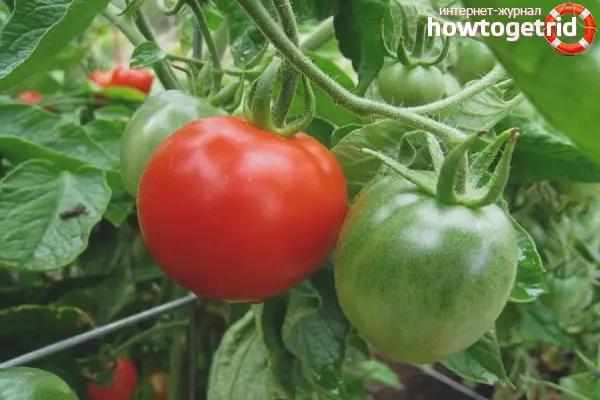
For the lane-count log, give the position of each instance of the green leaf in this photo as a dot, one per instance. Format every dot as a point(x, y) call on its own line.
point(481, 362)
point(480, 112)
point(146, 54)
point(122, 93)
point(318, 9)
point(539, 323)
point(542, 154)
point(246, 41)
point(315, 331)
point(384, 136)
point(565, 89)
point(321, 129)
point(530, 282)
point(20, 326)
point(341, 132)
point(357, 28)
point(37, 31)
point(24, 383)
point(39, 226)
point(28, 132)
point(116, 113)
point(240, 367)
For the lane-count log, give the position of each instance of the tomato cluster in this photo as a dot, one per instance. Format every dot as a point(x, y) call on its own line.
point(122, 76)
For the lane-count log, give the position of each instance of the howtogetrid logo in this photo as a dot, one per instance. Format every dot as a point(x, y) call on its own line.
point(553, 28)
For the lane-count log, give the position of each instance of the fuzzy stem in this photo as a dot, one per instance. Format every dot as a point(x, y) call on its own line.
point(289, 75)
point(322, 34)
point(343, 97)
point(210, 44)
point(167, 79)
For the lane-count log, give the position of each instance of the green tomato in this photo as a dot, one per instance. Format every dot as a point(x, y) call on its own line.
point(475, 59)
point(155, 120)
point(26, 383)
point(568, 295)
point(411, 86)
point(452, 85)
point(419, 280)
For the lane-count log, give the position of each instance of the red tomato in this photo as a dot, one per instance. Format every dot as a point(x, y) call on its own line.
point(101, 78)
point(122, 387)
point(30, 97)
point(235, 213)
point(137, 78)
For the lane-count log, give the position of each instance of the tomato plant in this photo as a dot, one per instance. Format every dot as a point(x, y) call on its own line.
point(337, 183)
point(244, 197)
point(121, 387)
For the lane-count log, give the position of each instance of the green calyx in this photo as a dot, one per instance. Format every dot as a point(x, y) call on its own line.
point(456, 178)
point(258, 109)
point(421, 44)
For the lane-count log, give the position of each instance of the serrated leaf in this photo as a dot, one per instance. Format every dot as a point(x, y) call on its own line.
point(530, 283)
point(480, 112)
point(40, 227)
point(27, 132)
point(120, 207)
point(384, 136)
point(19, 326)
point(37, 31)
point(146, 54)
point(315, 330)
point(26, 383)
point(541, 155)
point(357, 26)
point(240, 365)
point(481, 362)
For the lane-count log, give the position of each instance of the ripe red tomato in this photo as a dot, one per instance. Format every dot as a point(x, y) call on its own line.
point(101, 78)
point(137, 78)
point(122, 387)
point(232, 212)
point(30, 97)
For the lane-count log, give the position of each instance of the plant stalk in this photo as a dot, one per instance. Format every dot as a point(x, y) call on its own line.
point(338, 93)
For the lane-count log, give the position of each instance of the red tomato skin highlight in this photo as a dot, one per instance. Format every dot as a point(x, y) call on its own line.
point(235, 213)
point(137, 78)
point(122, 387)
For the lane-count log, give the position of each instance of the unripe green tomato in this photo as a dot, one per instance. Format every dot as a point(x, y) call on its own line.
point(452, 85)
point(411, 86)
point(419, 280)
point(155, 120)
point(568, 296)
point(475, 59)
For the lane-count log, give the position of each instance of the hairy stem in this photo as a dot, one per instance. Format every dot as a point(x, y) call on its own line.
point(345, 98)
point(289, 75)
point(163, 72)
point(210, 44)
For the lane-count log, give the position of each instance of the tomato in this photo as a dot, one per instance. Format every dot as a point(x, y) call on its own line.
point(474, 61)
point(452, 85)
point(122, 387)
point(160, 385)
point(101, 78)
point(420, 280)
point(568, 296)
point(411, 86)
point(30, 97)
point(159, 116)
point(235, 213)
point(137, 78)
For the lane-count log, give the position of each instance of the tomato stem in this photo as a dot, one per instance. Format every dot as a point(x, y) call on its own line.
point(419, 45)
point(210, 44)
point(446, 191)
point(173, 10)
point(289, 75)
point(361, 106)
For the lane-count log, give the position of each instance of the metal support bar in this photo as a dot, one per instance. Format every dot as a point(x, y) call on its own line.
point(97, 332)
